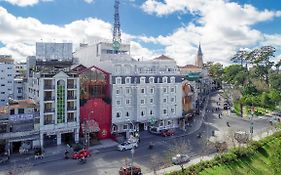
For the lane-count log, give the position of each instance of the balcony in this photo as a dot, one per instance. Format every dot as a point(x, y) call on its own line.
point(49, 110)
point(71, 108)
point(49, 122)
point(71, 86)
point(49, 87)
point(49, 98)
point(71, 97)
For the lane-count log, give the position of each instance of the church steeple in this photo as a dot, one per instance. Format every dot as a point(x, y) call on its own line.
point(199, 57)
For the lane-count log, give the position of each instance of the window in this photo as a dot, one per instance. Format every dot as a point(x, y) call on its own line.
point(117, 91)
point(165, 111)
point(70, 117)
point(9, 81)
point(19, 90)
point(172, 89)
point(48, 119)
point(20, 111)
point(142, 80)
point(151, 101)
point(169, 122)
point(172, 99)
point(128, 90)
point(164, 90)
point(12, 111)
point(142, 113)
point(128, 80)
point(142, 101)
point(118, 102)
point(164, 80)
point(164, 100)
point(9, 75)
point(118, 80)
point(172, 110)
point(125, 127)
point(142, 90)
point(151, 79)
point(118, 114)
point(172, 79)
point(2, 84)
point(127, 102)
point(151, 112)
point(152, 90)
point(2, 92)
point(127, 114)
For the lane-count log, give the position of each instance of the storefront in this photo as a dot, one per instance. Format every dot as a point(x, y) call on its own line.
point(58, 137)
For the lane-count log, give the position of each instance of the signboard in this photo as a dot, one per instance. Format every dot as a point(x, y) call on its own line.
point(21, 117)
point(61, 131)
point(90, 126)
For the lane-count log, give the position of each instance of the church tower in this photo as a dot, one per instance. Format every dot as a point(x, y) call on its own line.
point(199, 57)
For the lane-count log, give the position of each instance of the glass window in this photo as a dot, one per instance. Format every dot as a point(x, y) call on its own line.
point(128, 90)
point(151, 112)
point(164, 100)
point(151, 79)
point(118, 80)
point(70, 117)
point(118, 114)
point(165, 111)
point(127, 114)
point(164, 90)
point(142, 113)
point(152, 90)
point(127, 101)
point(164, 80)
point(60, 101)
point(142, 101)
point(142, 80)
point(151, 100)
point(172, 89)
point(172, 79)
point(125, 127)
point(128, 80)
point(142, 90)
point(20, 111)
point(48, 119)
point(172, 99)
point(118, 102)
point(172, 110)
point(117, 91)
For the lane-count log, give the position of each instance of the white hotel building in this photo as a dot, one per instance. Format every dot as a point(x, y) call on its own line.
point(143, 92)
point(57, 90)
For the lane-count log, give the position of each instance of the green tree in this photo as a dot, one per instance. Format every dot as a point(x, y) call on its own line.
point(275, 96)
point(275, 81)
point(234, 74)
point(275, 160)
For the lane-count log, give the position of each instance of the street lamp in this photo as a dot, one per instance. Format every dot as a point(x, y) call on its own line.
point(86, 122)
point(132, 152)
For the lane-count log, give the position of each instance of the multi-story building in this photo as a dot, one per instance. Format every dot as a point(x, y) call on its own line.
point(19, 90)
point(7, 73)
point(144, 93)
point(57, 89)
point(19, 126)
point(20, 69)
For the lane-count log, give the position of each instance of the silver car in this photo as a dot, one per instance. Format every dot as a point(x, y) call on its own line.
point(180, 159)
point(126, 145)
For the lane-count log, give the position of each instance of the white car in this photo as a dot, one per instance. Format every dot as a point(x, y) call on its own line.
point(180, 159)
point(125, 146)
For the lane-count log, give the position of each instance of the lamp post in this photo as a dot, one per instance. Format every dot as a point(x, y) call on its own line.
point(132, 152)
point(87, 128)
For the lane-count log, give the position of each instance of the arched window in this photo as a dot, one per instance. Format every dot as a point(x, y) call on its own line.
point(60, 101)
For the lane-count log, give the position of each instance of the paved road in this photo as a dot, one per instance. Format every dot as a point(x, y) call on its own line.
point(108, 161)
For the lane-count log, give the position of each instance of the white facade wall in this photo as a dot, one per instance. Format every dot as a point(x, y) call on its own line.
point(46, 94)
point(7, 73)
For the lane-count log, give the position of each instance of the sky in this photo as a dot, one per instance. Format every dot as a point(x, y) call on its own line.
point(152, 27)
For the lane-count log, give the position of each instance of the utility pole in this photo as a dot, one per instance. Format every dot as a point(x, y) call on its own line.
point(132, 152)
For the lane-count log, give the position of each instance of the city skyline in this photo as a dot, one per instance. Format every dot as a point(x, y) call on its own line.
point(153, 27)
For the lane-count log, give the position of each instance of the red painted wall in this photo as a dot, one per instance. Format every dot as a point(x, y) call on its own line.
point(101, 114)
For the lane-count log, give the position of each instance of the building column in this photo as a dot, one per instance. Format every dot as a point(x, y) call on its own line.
point(41, 140)
point(76, 135)
point(59, 139)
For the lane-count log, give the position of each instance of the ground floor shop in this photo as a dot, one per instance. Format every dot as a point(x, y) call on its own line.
point(58, 137)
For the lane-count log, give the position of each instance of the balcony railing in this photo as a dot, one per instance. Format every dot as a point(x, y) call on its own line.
point(71, 108)
point(71, 97)
point(71, 86)
point(49, 110)
point(49, 98)
point(47, 122)
point(49, 86)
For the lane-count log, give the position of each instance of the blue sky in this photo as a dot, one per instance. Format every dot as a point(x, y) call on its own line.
point(154, 27)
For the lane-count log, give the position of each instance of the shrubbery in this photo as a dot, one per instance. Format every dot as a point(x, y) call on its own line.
point(231, 156)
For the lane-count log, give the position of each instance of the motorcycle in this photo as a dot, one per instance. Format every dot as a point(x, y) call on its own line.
point(82, 160)
point(227, 123)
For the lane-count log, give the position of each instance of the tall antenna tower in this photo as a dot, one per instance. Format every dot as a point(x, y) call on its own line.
point(116, 41)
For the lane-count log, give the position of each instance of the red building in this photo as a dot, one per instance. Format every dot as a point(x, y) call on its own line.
point(95, 102)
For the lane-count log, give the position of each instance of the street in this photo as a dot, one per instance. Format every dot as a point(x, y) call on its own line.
point(109, 160)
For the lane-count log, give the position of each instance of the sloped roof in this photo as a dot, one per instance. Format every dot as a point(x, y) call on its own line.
point(163, 57)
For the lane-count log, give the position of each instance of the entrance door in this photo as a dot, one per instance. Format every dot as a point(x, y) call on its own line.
point(141, 126)
point(67, 138)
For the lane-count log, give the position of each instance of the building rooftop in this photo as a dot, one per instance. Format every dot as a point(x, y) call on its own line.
point(163, 57)
point(28, 103)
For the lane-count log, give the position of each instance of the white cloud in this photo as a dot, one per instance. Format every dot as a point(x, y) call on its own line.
point(89, 1)
point(222, 27)
point(19, 35)
point(24, 3)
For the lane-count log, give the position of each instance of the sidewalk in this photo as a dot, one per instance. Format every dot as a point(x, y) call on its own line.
point(57, 153)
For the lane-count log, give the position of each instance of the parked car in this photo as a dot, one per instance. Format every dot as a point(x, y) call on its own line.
point(81, 153)
point(126, 145)
point(168, 132)
point(127, 170)
point(154, 130)
point(180, 159)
